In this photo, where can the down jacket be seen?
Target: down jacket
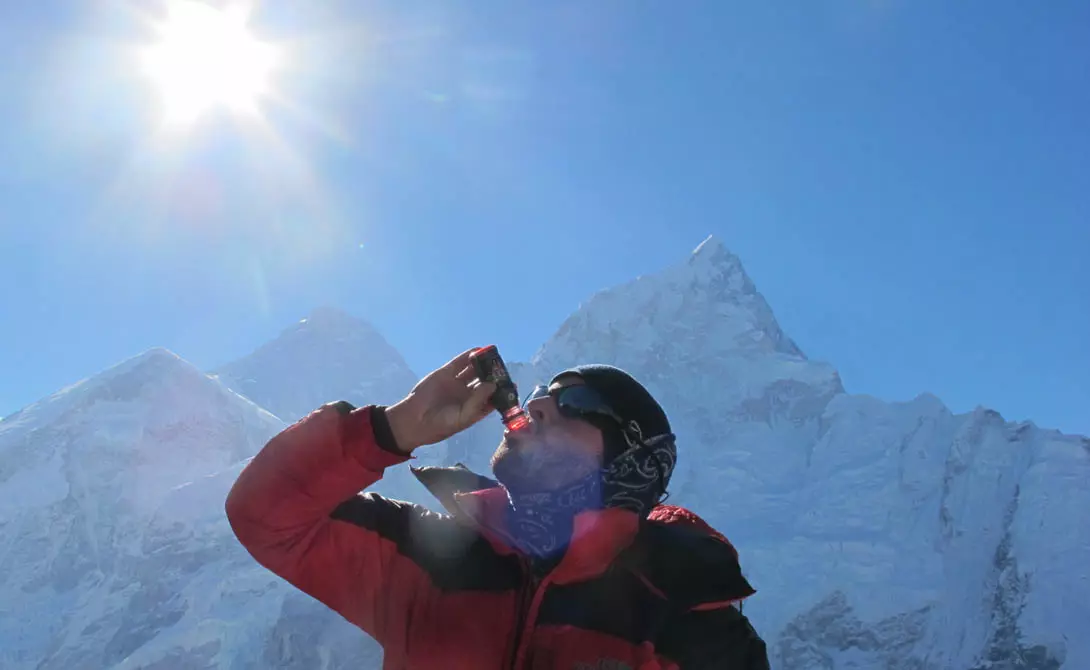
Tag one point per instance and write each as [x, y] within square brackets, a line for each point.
[449, 591]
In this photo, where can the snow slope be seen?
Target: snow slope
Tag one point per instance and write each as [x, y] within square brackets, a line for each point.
[114, 548]
[81, 473]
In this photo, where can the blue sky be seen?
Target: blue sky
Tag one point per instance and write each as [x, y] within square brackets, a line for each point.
[907, 183]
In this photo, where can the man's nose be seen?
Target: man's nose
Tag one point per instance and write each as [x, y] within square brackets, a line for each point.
[543, 410]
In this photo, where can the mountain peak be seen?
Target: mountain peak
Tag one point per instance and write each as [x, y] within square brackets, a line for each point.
[701, 318]
[124, 380]
[709, 297]
[327, 317]
[153, 388]
[713, 251]
[157, 353]
[713, 263]
[154, 368]
[158, 359]
[328, 355]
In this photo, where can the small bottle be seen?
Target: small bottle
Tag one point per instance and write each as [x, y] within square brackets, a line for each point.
[490, 368]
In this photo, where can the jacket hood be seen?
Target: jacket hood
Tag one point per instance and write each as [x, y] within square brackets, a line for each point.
[694, 564]
[680, 517]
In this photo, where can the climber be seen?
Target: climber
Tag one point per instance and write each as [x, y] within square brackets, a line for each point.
[567, 559]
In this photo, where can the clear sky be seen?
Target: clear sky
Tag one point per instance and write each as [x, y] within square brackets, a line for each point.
[908, 183]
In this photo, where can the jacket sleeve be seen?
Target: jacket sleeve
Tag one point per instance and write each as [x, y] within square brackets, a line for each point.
[296, 508]
[715, 639]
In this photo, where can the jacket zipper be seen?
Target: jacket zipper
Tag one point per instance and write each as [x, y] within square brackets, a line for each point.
[525, 597]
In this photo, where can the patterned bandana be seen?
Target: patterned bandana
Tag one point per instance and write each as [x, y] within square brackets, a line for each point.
[541, 523]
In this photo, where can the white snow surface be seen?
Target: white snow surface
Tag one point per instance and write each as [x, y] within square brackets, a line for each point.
[878, 534]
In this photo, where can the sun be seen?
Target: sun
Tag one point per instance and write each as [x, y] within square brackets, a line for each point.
[206, 58]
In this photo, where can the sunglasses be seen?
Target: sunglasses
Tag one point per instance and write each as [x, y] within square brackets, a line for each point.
[576, 402]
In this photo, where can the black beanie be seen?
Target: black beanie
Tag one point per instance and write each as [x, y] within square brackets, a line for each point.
[634, 479]
[625, 395]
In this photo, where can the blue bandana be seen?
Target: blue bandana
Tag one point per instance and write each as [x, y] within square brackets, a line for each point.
[541, 522]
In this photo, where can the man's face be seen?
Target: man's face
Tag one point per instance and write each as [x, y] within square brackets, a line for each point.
[552, 451]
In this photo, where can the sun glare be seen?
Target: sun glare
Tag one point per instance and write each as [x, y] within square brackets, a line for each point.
[206, 58]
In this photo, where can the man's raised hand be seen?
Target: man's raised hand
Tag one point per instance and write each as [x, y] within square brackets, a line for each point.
[445, 402]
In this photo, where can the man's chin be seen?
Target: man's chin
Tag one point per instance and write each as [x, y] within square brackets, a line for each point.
[512, 469]
[505, 463]
[533, 466]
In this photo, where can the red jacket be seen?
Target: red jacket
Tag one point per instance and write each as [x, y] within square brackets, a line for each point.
[447, 591]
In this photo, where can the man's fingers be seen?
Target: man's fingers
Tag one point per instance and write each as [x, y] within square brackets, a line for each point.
[467, 374]
[460, 361]
[479, 402]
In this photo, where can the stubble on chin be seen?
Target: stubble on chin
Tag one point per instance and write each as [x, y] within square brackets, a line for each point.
[538, 466]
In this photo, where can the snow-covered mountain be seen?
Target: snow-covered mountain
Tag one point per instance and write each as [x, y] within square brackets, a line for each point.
[878, 535]
[114, 548]
[327, 356]
[83, 581]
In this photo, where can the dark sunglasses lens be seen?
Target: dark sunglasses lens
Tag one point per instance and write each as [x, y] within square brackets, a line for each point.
[574, 402]
[538, 392]
[579, 400]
